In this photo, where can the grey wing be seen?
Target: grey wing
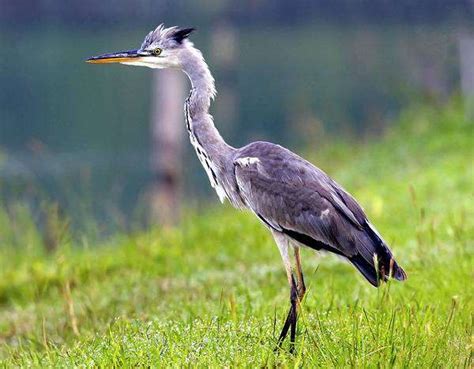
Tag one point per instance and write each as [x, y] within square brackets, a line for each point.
[294, 197]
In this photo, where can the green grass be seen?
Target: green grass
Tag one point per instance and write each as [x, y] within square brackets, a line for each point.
[213, 292]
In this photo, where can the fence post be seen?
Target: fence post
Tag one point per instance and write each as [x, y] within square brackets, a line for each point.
[167, 145]
[466, 58]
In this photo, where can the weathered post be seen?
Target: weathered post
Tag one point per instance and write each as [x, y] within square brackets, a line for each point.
[168, 88]
[466, 58]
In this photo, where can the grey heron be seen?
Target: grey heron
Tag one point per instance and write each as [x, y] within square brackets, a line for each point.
[299, 203]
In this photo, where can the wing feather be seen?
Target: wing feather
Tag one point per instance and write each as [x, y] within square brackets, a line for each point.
[287, 192]
[291, 195]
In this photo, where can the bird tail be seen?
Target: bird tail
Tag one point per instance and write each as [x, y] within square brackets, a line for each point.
[373, 259]
[381, 274]
[377, 264]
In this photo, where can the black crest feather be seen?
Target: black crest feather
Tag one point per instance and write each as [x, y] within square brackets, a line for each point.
[182, 33]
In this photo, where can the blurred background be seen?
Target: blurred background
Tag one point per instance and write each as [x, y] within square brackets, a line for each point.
[92, 144]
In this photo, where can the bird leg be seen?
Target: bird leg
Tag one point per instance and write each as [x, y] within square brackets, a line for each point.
[291, 318]
[299, 275]
[297, 292]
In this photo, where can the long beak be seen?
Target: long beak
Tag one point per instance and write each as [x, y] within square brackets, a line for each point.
[118, 57]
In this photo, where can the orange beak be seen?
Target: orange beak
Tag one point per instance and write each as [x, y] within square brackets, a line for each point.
[118, 57]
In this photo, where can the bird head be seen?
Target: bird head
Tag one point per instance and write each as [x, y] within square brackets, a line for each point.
[161, 48]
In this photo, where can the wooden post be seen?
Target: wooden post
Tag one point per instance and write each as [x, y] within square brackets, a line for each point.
[466, 58]
[167, 145]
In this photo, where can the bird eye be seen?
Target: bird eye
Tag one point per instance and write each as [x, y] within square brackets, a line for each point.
[156, 51]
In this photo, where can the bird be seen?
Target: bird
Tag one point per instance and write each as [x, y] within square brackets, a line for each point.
[298, 202]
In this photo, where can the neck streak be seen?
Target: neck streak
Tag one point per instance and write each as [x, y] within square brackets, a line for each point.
[211, 149]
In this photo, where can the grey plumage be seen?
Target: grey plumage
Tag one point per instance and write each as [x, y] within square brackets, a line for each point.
[292, 196]
[298, 202]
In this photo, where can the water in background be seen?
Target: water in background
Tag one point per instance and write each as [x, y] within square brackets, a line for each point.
[79, 134]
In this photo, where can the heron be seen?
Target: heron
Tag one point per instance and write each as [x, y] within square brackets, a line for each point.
[298, 202]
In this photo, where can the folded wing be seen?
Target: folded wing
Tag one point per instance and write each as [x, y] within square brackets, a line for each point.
[292, 196]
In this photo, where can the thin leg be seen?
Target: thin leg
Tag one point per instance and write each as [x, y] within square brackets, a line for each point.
[291, 319]
[298, 291]
[294, 312]
[299, 275]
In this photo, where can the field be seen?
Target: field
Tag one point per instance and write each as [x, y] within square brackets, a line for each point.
[213, 292]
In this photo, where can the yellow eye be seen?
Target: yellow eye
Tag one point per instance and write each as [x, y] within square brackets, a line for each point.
[156, 51]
